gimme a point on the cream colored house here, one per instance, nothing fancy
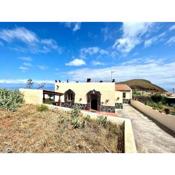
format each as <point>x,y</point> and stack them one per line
<point>125,92</point>
<point>101,96</point>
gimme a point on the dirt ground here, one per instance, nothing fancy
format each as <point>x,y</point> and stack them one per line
<point>28,130</point>
<point>150,138</point>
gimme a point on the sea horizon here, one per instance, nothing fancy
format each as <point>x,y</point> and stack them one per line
<point>13,86</point>
<point>47,86</point>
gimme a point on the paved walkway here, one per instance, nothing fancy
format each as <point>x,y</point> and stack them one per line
<point>150,138</point>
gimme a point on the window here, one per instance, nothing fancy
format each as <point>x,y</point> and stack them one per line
<point>124,94</point>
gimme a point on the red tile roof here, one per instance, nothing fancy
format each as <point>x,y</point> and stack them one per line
<point>122,87</point>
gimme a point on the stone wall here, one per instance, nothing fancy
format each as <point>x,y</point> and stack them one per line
<point>86,107</point>
<point>71,105</point>
<point>119,105</point>
<point>108,108</point>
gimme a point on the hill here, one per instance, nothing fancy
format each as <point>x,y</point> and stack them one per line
<point>141,84</point>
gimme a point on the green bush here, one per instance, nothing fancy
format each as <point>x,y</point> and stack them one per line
<point>42,108</point>
<point>102,121</point>
<point>10,100</point>
<point>136,93</point>
<point>76,121</point>
<point>87,118</point>
<point>156,98</point>
<point>173,113</point>
<point>167,111</point>
<point>75,112</point>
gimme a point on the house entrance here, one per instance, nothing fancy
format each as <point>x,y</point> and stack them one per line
<point>94,103</point>
<point>94,100</point>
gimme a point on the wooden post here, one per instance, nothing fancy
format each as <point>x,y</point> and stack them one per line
<point>43,98</point>
<point>59,101</point>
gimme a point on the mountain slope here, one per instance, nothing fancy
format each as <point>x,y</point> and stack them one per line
<point>141,84</point>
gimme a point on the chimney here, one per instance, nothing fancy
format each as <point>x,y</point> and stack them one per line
<point>88,80</point>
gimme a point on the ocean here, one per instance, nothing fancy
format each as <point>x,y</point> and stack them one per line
<point>11,86</point>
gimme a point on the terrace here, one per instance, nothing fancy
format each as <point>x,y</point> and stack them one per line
<point>50,96</point>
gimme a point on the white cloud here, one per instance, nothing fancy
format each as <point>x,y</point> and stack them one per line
<point>171,40</point>
<point>22,34</point>
<point>154,39</point>
<point>132,36</point>
<point>42,67</point>
<point>24,68</point>
<point>50,43</point>
<point>97,63</point>
<point>172,27</point>
<point>108,33</point>
<point>149,42</point>
<point>76,62</point>
<point>153,71</point>
<point>77,27</point>
<point>25,58</point>
<point>30,39</point>
<point>74,26</point>
<point>133,61</point>
<point>27,64</point>
<point>92,51</point>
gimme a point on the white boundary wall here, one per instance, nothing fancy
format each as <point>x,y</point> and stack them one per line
<point>166,120</point>
<point>32,96</point>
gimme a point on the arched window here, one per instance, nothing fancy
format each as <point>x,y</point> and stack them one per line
<point>69,96</point>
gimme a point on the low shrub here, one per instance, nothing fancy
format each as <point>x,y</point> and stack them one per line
<point>87,118</point>
<point>154,105</point>
<point>42,108</point>
<point>102,121</point>
<point>167,111</point>
<point>10,100</point>
<point>76,123</point>
<point>61,119</point>
<point>156,98</point>
<point>173,113</point>
<point>136,93</point>
<point>75,118</point>
<point>75,112</point>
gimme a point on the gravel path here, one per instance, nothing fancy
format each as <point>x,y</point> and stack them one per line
<point>150,138</point>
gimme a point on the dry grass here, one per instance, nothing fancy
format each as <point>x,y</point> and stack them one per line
<point>28,130</point>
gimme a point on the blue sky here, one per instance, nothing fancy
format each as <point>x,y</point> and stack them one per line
<point>76,51</point>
